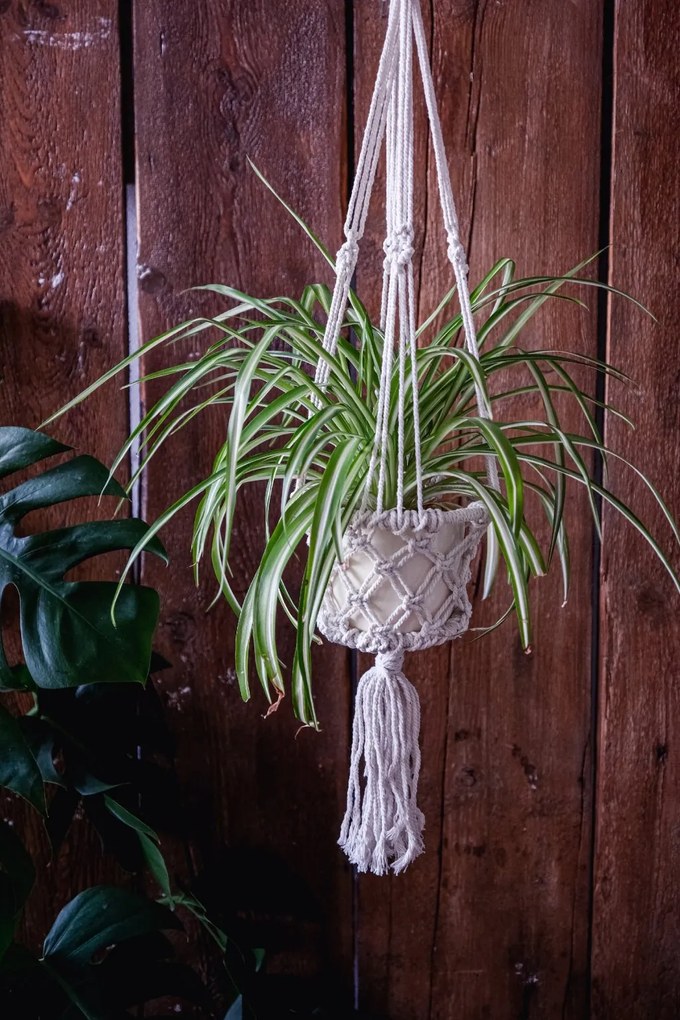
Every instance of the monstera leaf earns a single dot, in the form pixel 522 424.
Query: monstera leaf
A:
pixel 101 917
pixel 106 952
pixel 67 631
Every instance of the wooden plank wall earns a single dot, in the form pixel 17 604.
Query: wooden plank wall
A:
pixel 212 86
pixel 503 891
pixel 636 928
pixel 62 278
pixel 549 888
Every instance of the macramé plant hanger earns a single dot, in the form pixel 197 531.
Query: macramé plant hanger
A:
pixel 402 580
pixel 384 462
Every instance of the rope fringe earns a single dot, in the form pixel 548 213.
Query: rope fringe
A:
pixel 383 826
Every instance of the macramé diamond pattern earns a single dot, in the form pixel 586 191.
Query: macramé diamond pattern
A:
pixel 403 584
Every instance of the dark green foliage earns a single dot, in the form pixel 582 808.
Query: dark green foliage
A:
pixel 19 770
pixel 104 953
pixel 16 881
pixel 68 634
pixel 311 450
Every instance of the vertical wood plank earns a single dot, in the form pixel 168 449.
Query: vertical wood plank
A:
pixel 61 258
pixel 492 922
pixel 62 296
pixel 636 971
pixel 215 83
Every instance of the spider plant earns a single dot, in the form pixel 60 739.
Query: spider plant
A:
pixel 309 449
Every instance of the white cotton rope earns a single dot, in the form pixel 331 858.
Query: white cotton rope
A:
pixel 455 247
pixel 380 599
pixel 355 223
pixel 383 825
pixel 391 119
pixel 384 547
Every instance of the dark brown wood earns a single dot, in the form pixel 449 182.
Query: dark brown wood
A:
pixel 62 296
pixel 492 922
pixel 215 83
pixel 636 931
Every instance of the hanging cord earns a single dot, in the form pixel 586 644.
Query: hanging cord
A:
pixel 383 826
pixel 455 248
pixel 391 119
pixel 357 211
pixel 398 303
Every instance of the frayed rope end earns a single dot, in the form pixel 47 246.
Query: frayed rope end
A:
pixel 383 826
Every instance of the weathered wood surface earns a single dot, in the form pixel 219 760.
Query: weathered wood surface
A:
pixel 492 922
pixel 215 84
pixel 62 292
pixel 636 931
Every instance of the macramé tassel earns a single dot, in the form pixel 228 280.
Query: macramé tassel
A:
pixel 383 826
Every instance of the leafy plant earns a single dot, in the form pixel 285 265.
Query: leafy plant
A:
pixel 67 633
pixel 310 448
pixel 85 743
pixel 105 952
pixel 70 746
pixel 82 673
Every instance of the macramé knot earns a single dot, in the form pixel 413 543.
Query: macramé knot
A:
pixel 398 247
pixel 447 561
pixel 456 253
pixel 347 256
pixel 391 661
pixel 360 540
pixel 385 569
pixel 418 544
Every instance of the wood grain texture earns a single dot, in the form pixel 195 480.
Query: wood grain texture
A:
pixel 215 83
pixel 62 307
pixel 636 971
pixel 492 922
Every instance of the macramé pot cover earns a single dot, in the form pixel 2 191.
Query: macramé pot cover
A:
pixel 402 577
pixel 401 584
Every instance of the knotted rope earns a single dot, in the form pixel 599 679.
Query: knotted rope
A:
pixel 390 119
pixel 383 826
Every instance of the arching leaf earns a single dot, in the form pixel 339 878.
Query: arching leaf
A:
pixel 67 633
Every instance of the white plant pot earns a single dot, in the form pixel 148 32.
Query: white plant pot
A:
pixel 403 583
